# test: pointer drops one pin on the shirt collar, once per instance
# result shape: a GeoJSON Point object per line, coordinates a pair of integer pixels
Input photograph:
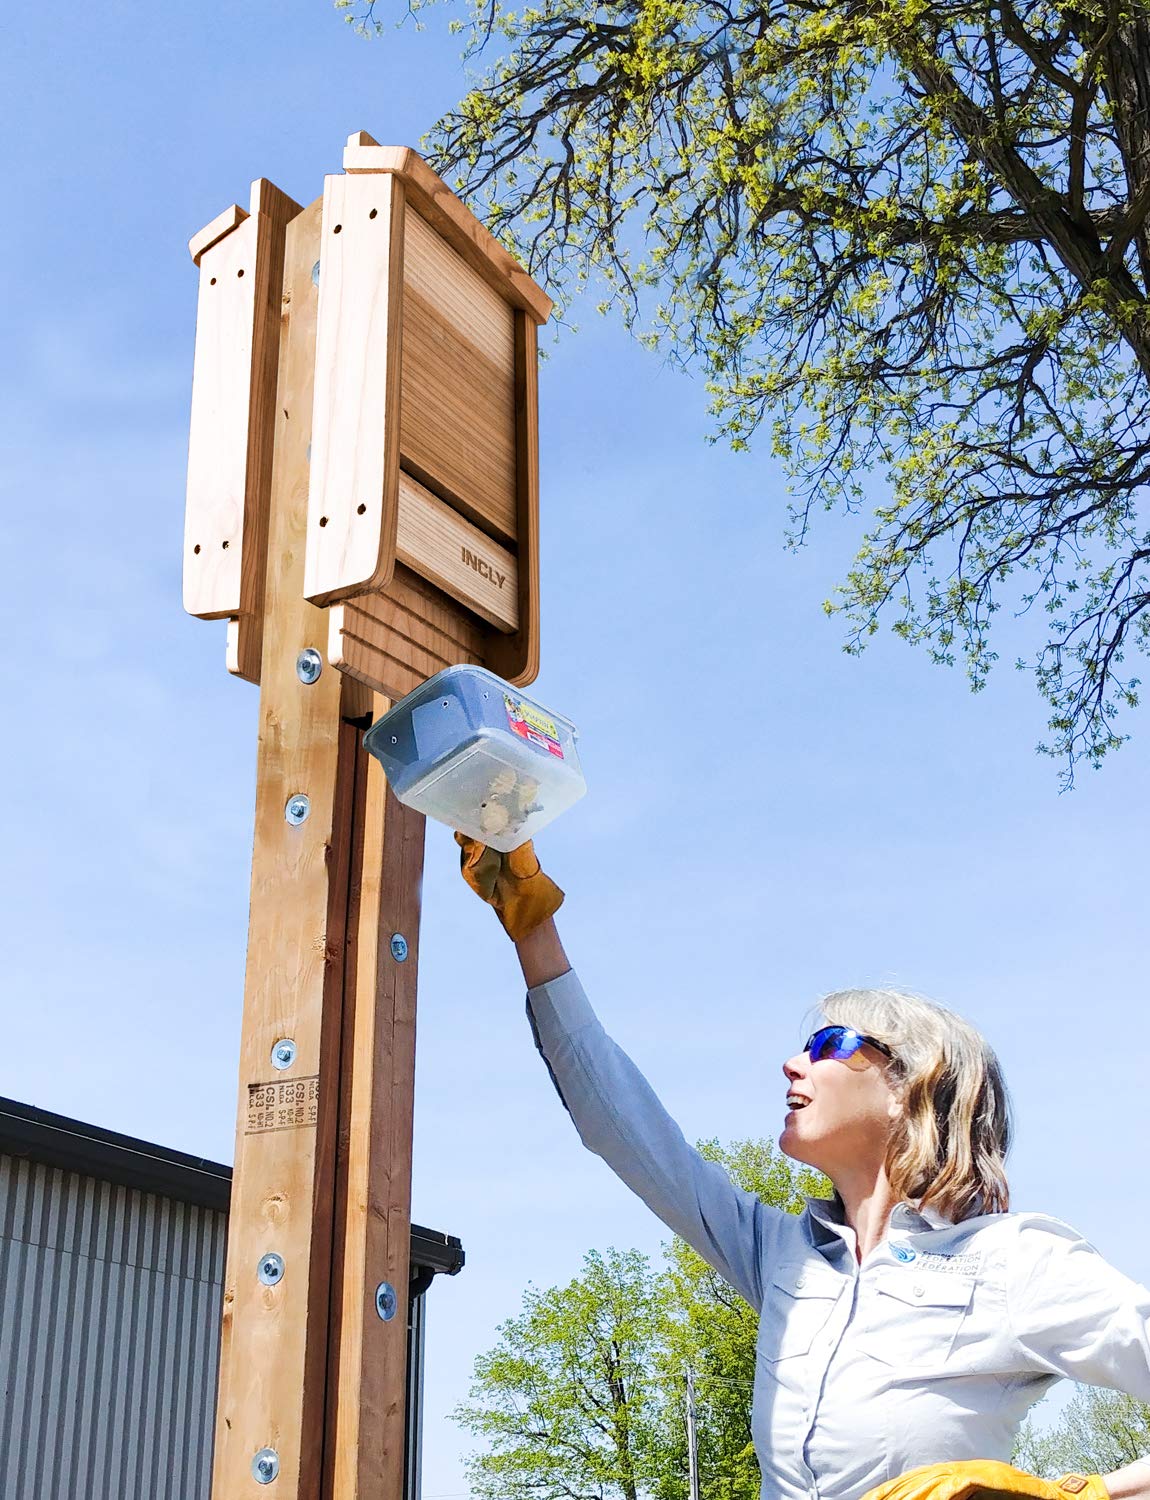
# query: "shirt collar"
{"type": "Point", "coordinates": [917, 1220]}
{"type": "Point", "coordinates": [828, 1214]}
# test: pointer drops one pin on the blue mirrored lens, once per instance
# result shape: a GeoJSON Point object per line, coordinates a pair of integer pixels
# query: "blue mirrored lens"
{"type": "Point", "coordinates": [833, 1041]}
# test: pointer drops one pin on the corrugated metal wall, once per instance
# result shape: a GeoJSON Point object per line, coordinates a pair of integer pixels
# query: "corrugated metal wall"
{"type": "Point", "coordinates": [109, 1338]}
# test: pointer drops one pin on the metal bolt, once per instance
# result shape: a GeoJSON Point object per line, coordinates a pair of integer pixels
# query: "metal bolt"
{"type": "Point", "coordinates": [315, 274]}
{"type": "Point", "coordinates": [271, 1268]}
{"type": "Point", "coordinates": [399, 947]}
{"type": "Point", "coordinates": [297, 809]}
{"type": "Point", "coordinates": [386, 1301]}
{"type": "Point", "coordinates": [308, 665]}
{"type": "Point", "coordinates": [283, 1053]}
{"type": "Point", "coordinates": [265, 1466]}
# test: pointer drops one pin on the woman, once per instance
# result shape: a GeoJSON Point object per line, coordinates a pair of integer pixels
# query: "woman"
{"type": "Point", "coordinates": [909, 1320]}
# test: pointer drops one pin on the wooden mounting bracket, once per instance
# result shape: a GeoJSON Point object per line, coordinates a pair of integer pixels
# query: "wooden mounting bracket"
{"type": "Point", "coordinates": [240, 258]}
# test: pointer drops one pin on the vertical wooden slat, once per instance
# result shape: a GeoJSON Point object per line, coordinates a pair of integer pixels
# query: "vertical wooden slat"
{"type": "Point", "coordinates": [517, 657]}
{"type": "Point", "coordinates": [273, 211]}
{"type": "Point", "coordinates": [367, 1372]}
{"type": "Point", "coordinates": [233, 419]}
{"type": "Point", "coordinates": [220, 423]}
{"type": "Point", "coordinates": [355, 428]}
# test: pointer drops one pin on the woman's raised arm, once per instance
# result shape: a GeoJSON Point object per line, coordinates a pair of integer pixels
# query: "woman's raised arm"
{"type": "Point", "coordinates": [614, 1108]}
{"type": "Point", "coordinates": [620, 1119]}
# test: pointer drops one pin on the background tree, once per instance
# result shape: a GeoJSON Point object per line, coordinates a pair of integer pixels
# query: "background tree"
{"type": "Point", "coordinates": [567, 1399]}
{"type": "Point", "coordinates": [711, 1329]}
{"type": "Point", "coordinates": [912, 234]}
{"type": "Point", "coordinates": [1098, 1431]}
{"type": "Point", "coordinates": [582, 1398]}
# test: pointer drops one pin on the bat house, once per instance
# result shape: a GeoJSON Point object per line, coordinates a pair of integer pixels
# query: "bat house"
{"type": "Point", "coordinates": [423, 501]}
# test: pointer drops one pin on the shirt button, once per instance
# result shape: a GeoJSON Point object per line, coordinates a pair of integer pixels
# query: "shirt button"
{"type": "Point", "coordinates": [919, 1290]}
{"type": "Point", "coordinates": [801, 1281]}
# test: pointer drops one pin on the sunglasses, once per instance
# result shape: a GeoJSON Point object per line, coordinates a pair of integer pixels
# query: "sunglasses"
{"type": "Point", "coordinates": [839, 1043]}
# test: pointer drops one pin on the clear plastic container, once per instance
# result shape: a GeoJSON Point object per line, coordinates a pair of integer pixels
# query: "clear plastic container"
{"type": "Point", "coordinates": [473, 752]}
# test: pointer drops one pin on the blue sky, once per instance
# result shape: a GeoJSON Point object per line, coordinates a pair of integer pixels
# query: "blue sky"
{"type": "Point", "coordinates": [768, 819]}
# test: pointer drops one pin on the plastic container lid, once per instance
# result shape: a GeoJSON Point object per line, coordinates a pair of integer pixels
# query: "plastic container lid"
{"type": "Point", "coordinates": [471, 751]}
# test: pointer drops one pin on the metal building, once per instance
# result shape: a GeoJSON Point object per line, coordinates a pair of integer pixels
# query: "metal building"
{"type": "Point", "coordinates": [111, 1278]}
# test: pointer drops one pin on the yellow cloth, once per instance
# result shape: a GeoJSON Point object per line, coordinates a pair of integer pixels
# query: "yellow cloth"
{"type": "Point", "coordinates": [984, 1479]}
{"type": "Point", "coordinates": [514, 884]}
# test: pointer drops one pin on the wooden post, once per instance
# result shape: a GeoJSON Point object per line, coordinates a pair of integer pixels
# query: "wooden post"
{"type": "Point", "coordinates": [373, 1206]}
{"type": "Point", "coordinates": [275, 1348]}
{"type": "Point", "coordinates": [407, 541]}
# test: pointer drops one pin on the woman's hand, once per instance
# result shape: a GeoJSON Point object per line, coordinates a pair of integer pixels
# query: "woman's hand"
{"type": "Point", "coordinates": [982, 1478]}
{"type": "Point", "coordinates": [525, 901]}
{"type": "Point", "coordinates": [1131, 1482]}
{"type": "Point", "coordinates": [514, 884]}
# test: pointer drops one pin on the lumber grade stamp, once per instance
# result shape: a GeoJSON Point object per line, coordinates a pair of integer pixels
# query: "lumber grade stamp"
{"type": "Point", "coordinates": [283, 1106]}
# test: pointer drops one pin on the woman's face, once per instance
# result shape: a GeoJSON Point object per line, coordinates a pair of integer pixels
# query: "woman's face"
{"type": "Point", "coordinates": [839, 1114]}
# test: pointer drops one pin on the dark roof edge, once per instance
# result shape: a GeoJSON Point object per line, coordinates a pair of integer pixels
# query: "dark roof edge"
{"type": "Point", "coordinates": [58, 1141]}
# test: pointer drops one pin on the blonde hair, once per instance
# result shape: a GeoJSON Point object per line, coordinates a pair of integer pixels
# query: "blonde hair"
{"type": "Point", "coordinates": [948, 1147]}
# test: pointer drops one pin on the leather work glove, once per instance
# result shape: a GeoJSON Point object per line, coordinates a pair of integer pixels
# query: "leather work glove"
{"type": "Point", "coordinates": [984, 1479]}
{"type": "Point", "coordinates": [514, 884]}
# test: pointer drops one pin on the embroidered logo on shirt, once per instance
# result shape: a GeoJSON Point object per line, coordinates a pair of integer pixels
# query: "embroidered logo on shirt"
{"type": "Point", "coordinates": [961, 1264]}
{"type": "Point", "coordinates": [903, 1253]}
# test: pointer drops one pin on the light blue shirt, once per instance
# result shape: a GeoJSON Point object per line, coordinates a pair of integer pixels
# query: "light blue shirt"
{"type": "Point", "coordinates": [932, 1349]}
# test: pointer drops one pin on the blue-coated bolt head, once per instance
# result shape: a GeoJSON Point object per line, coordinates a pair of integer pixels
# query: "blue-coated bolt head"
{"type": "Point", "coordinates": [265, 1466]}
{"type": "Point", "coordinates": [308, 665]}
{"type": "Point", "coordinates": [386, 1302]}
{"type": "Point", "coordinates": [297, 809]}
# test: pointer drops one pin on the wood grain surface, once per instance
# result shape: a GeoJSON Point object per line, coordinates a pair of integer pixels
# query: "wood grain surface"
{"type": "Point", "coordinates": [354, 456]}
{"type": "Point", "coordinates": [430, 196]}
{"type": "Point", "coordinates": [368, 1355]}
{"type": "Point", "coordinates": [393, 643]}
{"type": "Point", "coordinates": [274, 1348]}
{"type": "Point", "coordinates": [517, 657]}
{"type": "Point", "coordinates": [233, 419]}
{"type": "Point", "coordinates": [437, 543]}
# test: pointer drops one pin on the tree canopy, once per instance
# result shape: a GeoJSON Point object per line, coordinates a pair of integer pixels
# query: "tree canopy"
{"type": "Point", "coordinates": [582, 1397]}
{"type": "Point", "coordinates": [1097, 1431]}
{"type": "Point", "coordinates": [903, 236]}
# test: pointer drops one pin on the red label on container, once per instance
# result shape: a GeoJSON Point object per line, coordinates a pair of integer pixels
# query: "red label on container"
{"type": "Point", "coordinates": [529, 724]}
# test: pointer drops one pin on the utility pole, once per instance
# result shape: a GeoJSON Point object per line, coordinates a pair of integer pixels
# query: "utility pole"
{"type": "Point", "coordinates": [692, 1438]}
